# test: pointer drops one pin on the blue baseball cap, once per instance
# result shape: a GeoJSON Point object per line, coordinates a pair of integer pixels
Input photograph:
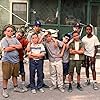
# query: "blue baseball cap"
{"type": "Point", "coordinates": [37, 23]}
{"type": "Point", "coordinates": [77, 25]}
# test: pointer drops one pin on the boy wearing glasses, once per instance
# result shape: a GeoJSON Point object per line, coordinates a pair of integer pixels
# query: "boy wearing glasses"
{"type": "Point", "coordinates": [10, 59]}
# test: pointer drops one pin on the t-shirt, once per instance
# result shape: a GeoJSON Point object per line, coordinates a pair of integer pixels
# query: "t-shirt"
{"type": "Point", "coordinates": [90, 44]}
{"type": "Point", "coordinates": [10, 56]}
{"type": "Point", "coordinates": [65, 58]}
{"type": "Point", "coordinates": [24, 43]}
{"type": "Point", "coordinates": [39, 48]}
{"type": "Point", "coordinates": [76, 48]}
{"type": "Point", "coordinates": [53, 52]}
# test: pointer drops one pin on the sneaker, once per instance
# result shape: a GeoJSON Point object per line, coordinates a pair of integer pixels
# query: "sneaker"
{"type": "Point", "coordinates": [79, 87]}
{"type": "Point", "coordinates": [33, 91]}
{"type": "Point", "coordinates": [28, 86]}
{"type": "Point", "coordinates": [41, 90]}
{"type": "Point", "coordinates": [5, 93]}
{"type": "Point", "coordinates": [16, 89]}
{"type": "Point", "coordinates": [95, 87]}
{"type": "Point", "coordinates": [24, 88]}
{"type": "Point", "coordinates": [70, 88]}
{"type": "Point", "coordinates": [53, 87]}
{"type": "Point", "coordinates": [45, 86]}
{"type": "Point", "coordinates": [62, 90]}
{"type": "Point", "coordinates": [87, 83]}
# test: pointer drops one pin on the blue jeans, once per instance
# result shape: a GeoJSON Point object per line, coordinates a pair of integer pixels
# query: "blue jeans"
{"type": "Point", "coordinates": [22, 71]}
{"type": "Point", "coordinates": [65, 68]}
{"type": "Point", "coordinates": [33, 66]}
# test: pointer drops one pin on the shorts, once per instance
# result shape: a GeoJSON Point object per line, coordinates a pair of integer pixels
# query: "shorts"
{"type": "Point", "coordinates": [75, 63]}
{"type": "Point", "coordinates": [21, 68]}
{"type": "Point", "coordinates": [65, 68]}
{"type": "Point", "coordinates": [10, 69]}
{"type": "Point", "coordinates": [89, 62]}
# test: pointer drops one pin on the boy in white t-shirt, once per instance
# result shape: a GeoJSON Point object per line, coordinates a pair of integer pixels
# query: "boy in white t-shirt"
{"type": "Point", "coordinates": [91, 43]}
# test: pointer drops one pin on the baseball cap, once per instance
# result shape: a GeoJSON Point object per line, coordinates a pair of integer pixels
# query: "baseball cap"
{"type": "Point", "coordinates": [77, 25]}
{"type": "Point", "coordinates": [37, 23]}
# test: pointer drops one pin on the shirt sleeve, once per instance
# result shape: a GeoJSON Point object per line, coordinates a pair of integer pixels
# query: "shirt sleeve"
{"type": "Point", "coordinates": [83, 39]}
{"type": "Point", "coordinates": [4, 43]}
{"type": "Point", "coordinates": [60, 43]}
{"type": "Point", "coordinates": [96, 41]}
{"type": "Point", "coordinates": [17, 42]}
{"type": "Point", "coordinates": [42, 49]}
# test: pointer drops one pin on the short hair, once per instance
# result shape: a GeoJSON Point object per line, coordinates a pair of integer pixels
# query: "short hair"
{"type": "Point", "coordinates": [75, 32]}
{"type": "Point", "coordinates": [67, 35]}
{"type": "Point", "coordinates": [48, 32]}
{"type": "Point", "coordinates": [34, 34]}
{"type": "Point", "coordinates": [21, 32]}
{"type": "Point", "coordinates": [7, 26]}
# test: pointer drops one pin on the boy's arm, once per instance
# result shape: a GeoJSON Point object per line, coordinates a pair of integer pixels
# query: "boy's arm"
{"type": "Point", "coordinates": [9, 49]}
{"type": "Point", "coordinates": [71, 51]}
{"type": "Point", "coordinates": [40, 55]}
{"type": "Point", "coordinates": [28, 47]}
{"type": "Point", "coordinates": [62, 50]}
{"type": "Point", "coordinates": [96, 50]}
{"type": "Point", "coordinates": [5, 46]}
{"type": "Point", "coordinates": [81, 51]}
{"type": "Point", "coordinates": [16, 46]}
{"type": "Point", "coordinates": [41, 38]}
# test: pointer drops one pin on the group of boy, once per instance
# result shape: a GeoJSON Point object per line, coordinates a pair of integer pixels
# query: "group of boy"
{"type": "Point", "coordinates": [63, 57]}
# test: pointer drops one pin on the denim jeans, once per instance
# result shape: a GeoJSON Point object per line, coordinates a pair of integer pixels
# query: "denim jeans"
{"type": "Point", "coordinates": [22, 71]}
{"type": "Point", "coordinates": [33, 66]}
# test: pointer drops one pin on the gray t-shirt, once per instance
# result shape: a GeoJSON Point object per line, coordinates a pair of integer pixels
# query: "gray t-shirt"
{"type": "Point", "coordinates": [10, 56]}
{"type": "Point", "coordinates": [66, 56]}
{"type": "Point", "coordinates": [53, 52]}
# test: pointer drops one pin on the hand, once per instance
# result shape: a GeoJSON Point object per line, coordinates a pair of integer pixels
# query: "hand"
{"type": "Point", "coordinates": [61, 55]}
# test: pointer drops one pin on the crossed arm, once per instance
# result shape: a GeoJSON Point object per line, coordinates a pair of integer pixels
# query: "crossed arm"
{"type": "Point", "coordinates": [72, 51]}
{"type": "Point", "coordinates": [13, 47]}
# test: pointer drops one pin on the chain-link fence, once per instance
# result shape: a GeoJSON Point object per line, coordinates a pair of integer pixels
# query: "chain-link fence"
{"type": "Point", "coordinates": [73, 11]}
{"type": "Point", "coordinates": [47, 11]}
{"type": "Point", "coordinates": [44, 10]}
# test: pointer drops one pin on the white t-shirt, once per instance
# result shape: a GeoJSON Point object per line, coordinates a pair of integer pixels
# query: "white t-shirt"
{"type": "Point", "coordinates": [90, 44]}
{"type": "Point", "coordinates": [76, 48]}
{"type": "Point", "coordinates": [38, 48]}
